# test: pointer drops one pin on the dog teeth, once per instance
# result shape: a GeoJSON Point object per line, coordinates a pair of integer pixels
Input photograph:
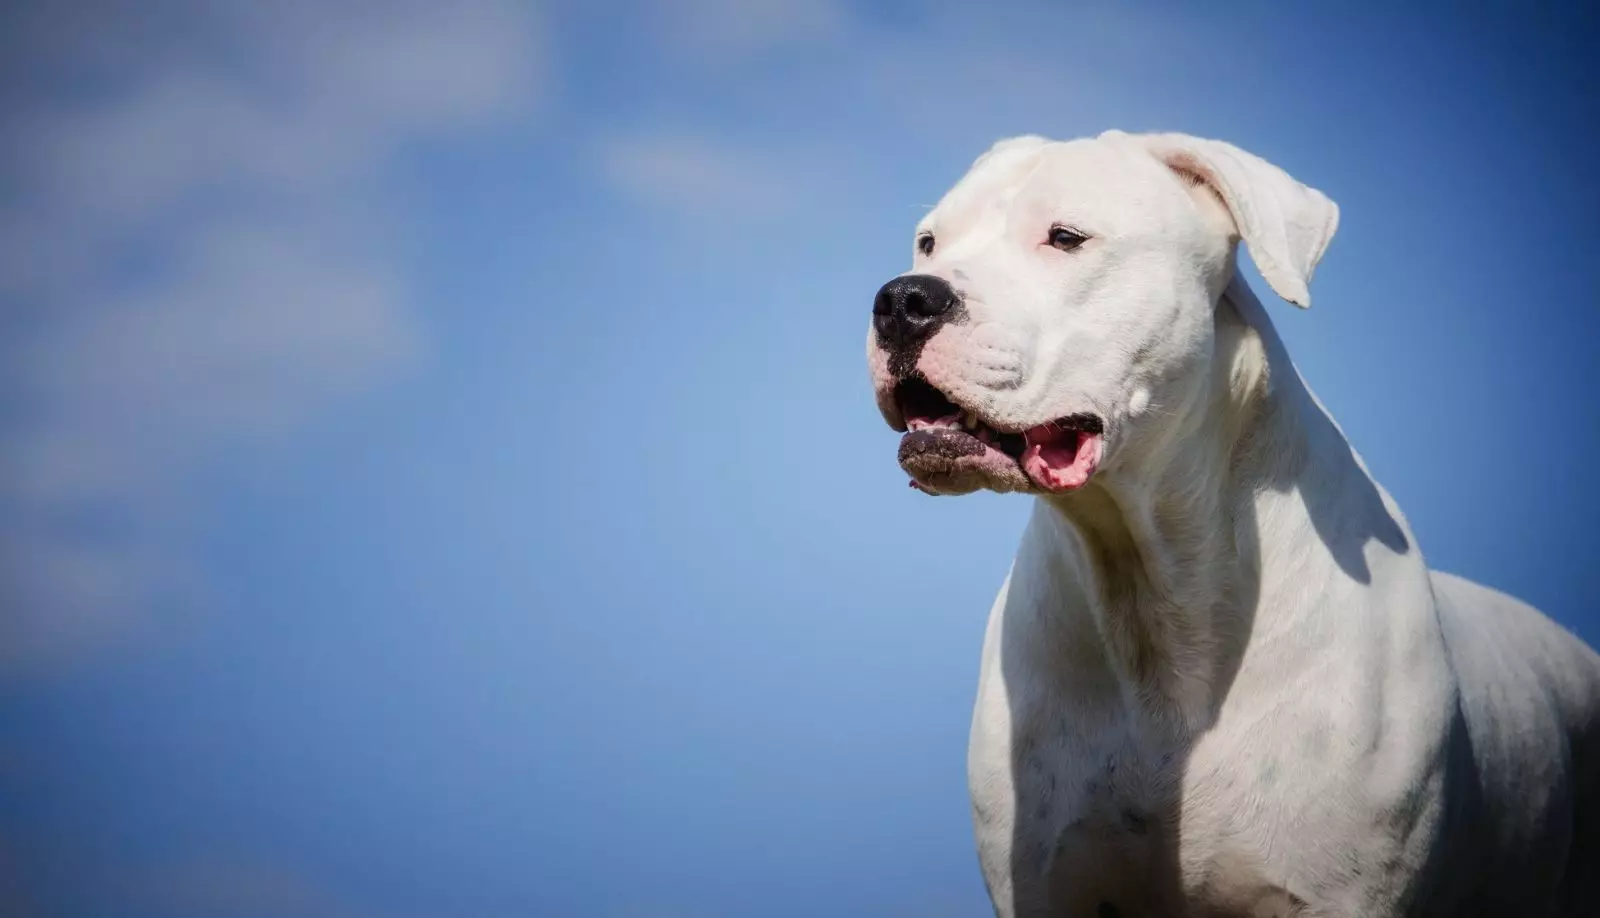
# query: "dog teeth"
{"type": "Point", "coordinates": [949, 422]}
{"type": "Point", "coordinates": [964, 419]}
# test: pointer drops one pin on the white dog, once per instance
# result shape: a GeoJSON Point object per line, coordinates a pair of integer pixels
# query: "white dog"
{"type": "Point", "coordinates": [1220, 678]}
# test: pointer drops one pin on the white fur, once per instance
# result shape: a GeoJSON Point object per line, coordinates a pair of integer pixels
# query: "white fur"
{"type": "Point", "coordinates": [1220, 679]}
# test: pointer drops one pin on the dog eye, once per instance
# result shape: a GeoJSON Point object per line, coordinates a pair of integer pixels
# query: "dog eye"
{"type": "Point", "coordinates": [925, 243]}
{"type": "Point", "coordinates": [1064, 239]}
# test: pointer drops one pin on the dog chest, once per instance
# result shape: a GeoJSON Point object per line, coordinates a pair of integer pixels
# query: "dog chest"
{"type": "Point", "coordinates": [1075, 809]}
{"type": "Point", "coordinates": [1056, 838]}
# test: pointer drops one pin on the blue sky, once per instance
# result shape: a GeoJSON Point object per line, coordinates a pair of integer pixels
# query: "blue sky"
{"type": "Point", "coordinates": [441, 476]}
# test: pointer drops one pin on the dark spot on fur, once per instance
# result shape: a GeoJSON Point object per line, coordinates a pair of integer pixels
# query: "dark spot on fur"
{"type": "Point", "coordinates": [1135, 822]}
{"type": "Point", "coordinates": [1042, 854]}
{"type": "Point", "coordinates": [1318, 739]}
{"type": "Point", "coordinates": [1107, 910]}
{"type": "Point", "coordinates": [1267, 777]}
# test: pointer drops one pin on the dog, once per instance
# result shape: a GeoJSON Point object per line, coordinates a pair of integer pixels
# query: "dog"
{"type": "Point", "coordinates": [1219, 678]}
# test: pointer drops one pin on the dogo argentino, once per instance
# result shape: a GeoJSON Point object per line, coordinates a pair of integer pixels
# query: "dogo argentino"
{"type": "Point", "coordinates": [1220, 678]}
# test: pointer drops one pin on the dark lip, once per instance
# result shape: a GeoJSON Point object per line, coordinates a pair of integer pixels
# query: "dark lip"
{"type": "Point", "coordinates": [916, 397]}
{"type": "Point", "coordinates": [950, 444]}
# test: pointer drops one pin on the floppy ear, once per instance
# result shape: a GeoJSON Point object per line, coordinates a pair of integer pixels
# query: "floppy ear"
{"type": "Point", "coordinates": [1286, 225]}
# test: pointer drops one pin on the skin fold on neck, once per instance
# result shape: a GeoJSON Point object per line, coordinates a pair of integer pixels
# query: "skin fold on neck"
{"type": "Point", "coordinates": [1172, 548]}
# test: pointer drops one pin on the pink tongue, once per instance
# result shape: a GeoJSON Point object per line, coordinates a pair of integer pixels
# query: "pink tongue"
{"type": "Point", "coordinates": [1060, 465]}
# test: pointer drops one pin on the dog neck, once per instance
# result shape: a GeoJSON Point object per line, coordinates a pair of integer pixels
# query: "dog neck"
{"type": "Point", "coordinates": [1170, 552]}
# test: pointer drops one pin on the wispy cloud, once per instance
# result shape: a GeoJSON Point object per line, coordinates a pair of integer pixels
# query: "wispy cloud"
{"type": "Point", "coordinates": [194, 255]}
{"type": "Point", "coordinates": [757, 141]}
{"type": "Point", "coordinates": [698, 176]}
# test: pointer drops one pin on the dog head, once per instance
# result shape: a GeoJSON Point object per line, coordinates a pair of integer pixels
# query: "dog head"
{"type": "Point", "coordinates": [1059, 307]}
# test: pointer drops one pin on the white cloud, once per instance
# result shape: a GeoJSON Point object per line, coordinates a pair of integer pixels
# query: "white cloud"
{"type": "Point", "coordinates": [256, 325]}
{"type": "Point", "coordinates": [699, 176]}
{"type": "Point", "coordinates": [858, 95]}
{"type": "Point", "coordinates": [194, 257]}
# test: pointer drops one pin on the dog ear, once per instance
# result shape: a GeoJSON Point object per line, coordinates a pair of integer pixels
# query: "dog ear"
{"type": "Point", "coordinates": [1286, 225]}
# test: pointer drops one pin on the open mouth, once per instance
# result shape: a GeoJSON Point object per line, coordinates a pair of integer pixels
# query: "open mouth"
{"type": "Point", "coordinates": [944, 440]}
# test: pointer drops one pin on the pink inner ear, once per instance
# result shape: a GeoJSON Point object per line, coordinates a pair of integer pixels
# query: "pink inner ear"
{"type": "Point", "coordinates": [1207, 195]}
{"type": "Point", "coordinates": [1285, 224]}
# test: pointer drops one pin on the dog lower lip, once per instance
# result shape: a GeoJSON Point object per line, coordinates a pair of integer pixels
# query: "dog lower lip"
{"type": "Point", "coordinates": [919, 399]}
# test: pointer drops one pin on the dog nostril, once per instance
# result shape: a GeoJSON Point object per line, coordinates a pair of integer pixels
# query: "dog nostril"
{"type": "Point", "coordinates": [886, 325]}
{"type": "Point", "coordinates": [927, 297]}
{"type": "Point", "coordinates": [883, 303]}
{"type": "Point", "coordinates": [918, 305]}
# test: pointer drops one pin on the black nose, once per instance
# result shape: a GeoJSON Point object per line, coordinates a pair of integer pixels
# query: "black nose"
{"type": "Point", "coordinates": [909, 309]}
